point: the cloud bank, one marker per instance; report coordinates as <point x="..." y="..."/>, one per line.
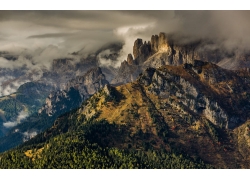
<point x="46" y="35"/>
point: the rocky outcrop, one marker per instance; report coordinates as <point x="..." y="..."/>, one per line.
<point x="163" y="42"/>
<point x="137" y="44"/>
<point x="154" y="43"/>
<point x="141" y="51"/>
<point x="169" y="53"/>
<point x="164" y="49"/>
<point x="60" y="102"/>
<point x="130" y="59"/>
<point x="186" y="88"/>
<point x="161" y="50"/>
<point x="144" y="53"/>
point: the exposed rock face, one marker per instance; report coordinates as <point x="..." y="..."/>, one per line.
<point x="88" y="84"/>
<point x="138" y="43"/>
<point x="159" y="51"/>
<point x="61" y="102"/>
<point x="130" y="59"/>
<point x="163" y="44"/>
<point x="172" y="54"/>
<point x="162" y="50"/>
<point x="126" y="73"/>
<point x="204" y="89"/>
<point x="144" y="53"/>
<point x="74" y="93"/>
<point x="141" y="51"/>
<point x="154" y="43"/>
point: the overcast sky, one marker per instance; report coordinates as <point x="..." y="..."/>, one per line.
<point x="62" y="32"/>
<point x="71" y="29"/>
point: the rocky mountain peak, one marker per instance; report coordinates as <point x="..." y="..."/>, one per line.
<point x="137" y="44"/>
<point x="163" y="45"/>
<point x="162" y="50"/>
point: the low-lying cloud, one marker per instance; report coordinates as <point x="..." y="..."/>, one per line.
<point x="12" y="84"/>
<point x="21" y="116"/>
<point x="27" y="135"/>
<point x="10" y="124"/>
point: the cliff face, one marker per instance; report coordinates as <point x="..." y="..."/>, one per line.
<point x="204" y="89"/>
<point x="61" y="102"/>
<point x="88" y="84"/>
<point x="164" y="51"/>
<point x="74" y="92"/>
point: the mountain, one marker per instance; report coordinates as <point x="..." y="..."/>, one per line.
<point x="74" y="93"/>
<point x="167" y="49"/>
<point x="193" y="114"/>
<point x="55" y="78"/>
<point x="53" y="105"/>
<point x="14" y="108"/>
<point x="25" y="66"/>
<point x="172" y="104"/>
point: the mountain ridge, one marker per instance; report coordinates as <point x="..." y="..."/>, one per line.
<point x="150" y="114"/>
